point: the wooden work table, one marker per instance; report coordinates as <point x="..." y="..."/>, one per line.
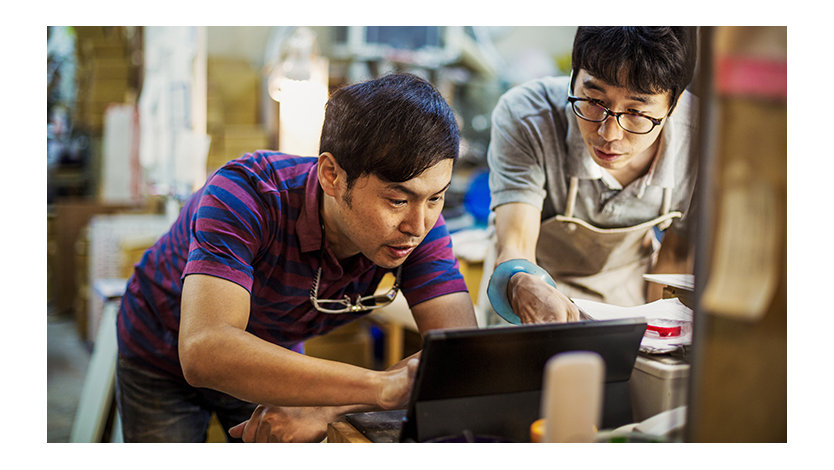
<point x="341" y="432"/>
<point x="372" y="426"/>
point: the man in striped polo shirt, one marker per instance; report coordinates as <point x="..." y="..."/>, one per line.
<point x="216" y="312"/>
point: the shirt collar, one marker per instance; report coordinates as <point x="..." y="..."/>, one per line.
<point x="662" y="172"/>
<point x="674" y="145"/>
<point x="308" y="228"/>
<point x="309" y="221"/>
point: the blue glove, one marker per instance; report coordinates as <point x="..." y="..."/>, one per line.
<point x="497" y="288"/>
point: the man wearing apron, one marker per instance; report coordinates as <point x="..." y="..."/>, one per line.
<point x="585" y="169"/>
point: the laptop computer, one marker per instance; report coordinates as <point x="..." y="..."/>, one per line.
<point x="484" y="385"/>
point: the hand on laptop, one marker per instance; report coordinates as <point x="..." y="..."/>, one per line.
<point x="535" y="301"/>
<point x="396" y="384"/>
<point x="309" y="423"/>
<point x="285" y="424"/>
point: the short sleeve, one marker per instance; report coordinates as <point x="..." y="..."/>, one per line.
<point x="516" y="172"/>
<point x="432" y="269"/>
<point x="228" y="228"/>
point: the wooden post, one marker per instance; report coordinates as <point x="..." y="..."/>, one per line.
<point x="739" y="371"/>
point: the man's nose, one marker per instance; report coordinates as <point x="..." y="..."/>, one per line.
<point x="414" y="222"/>
<point x="610" y="129"/>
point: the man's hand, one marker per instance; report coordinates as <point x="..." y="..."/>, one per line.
<point x="309" y="423"/>
<point x="284" y="424"/>
<point x="535" y="301"/>
<point x="396" y="384"/>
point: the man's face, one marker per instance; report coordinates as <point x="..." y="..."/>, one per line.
<point x="611" y="146"/>
<point x="386" y="221"/>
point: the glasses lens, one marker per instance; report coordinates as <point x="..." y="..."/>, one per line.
<point x="331" y="305"/>
<point x="379" y="300"/>
<point x="588" y="110"/>
<point x="635" y="123"/>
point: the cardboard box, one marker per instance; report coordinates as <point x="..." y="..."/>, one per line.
<point x="131" y="251"/>
<point x="101" y="35"/>
<point x="105" y="73"/>
<point x="232" y="141"/>
<point x="236" y="83"/>
<point x="107" y="68"/>
<point x="232" y="110"/>
<point x="351" y="344"/>
<point x="69" y="219"/>
<point x="51" y="261"/>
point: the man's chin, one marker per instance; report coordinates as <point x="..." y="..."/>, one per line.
<point x="388" y="262"/>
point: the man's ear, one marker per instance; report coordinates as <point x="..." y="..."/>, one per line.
<point x="331" y="175"/>
<point x="669" y="114"/>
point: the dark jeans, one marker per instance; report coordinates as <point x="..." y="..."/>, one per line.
<point x="159" y="408"/>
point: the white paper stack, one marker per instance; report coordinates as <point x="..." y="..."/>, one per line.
<point x="659" y="313"/>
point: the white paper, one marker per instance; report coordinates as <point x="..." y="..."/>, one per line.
<point x="664" y="309"/>
<point x="472" y="245"/>
<point x="682" y="281"/>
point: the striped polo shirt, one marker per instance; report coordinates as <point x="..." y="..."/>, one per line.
<point x="256" y="223"/>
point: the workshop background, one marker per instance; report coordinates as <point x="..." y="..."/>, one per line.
<point x="138" y="117"/>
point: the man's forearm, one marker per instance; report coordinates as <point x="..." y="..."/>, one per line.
<point x="517" y="232"/>
<point x="254" y="370"/>
<point x="217" y="352"/>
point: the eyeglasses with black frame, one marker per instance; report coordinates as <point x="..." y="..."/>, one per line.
<point x="593" y="111"/>
<point x="345" y="305"/>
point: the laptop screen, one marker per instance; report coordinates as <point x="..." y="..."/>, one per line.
<point x="487" y="382"/>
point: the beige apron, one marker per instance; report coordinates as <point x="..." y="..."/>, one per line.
<point x="605" y="265"/>
<point x="588" y="262"/>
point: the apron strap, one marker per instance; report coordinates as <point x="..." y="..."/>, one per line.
<point x="667" y="201"/>
<point x="664" y="208"/>
<point x="573" y="189"/>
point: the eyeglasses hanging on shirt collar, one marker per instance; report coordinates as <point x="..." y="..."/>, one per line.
<point x="345" y="305"/>
<point x="594" y="111"/>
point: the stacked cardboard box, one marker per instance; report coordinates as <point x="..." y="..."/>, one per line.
<point x="233" y="119"/>
<point x="67" y="263"/>
<point x="51" y="262"/>
<point x="105" y="73"/>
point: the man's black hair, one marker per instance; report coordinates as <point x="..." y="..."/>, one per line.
<point x="647" y="60"/>
<point x="394" y="127"/>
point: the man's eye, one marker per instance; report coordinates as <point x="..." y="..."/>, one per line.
<point x="397" y="202"/>
<point x="436" y="198"/>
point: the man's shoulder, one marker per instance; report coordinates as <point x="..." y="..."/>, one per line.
<point x="279" y="171"/>
<point x="534" y="96"/>
<point x="274" y="160"/>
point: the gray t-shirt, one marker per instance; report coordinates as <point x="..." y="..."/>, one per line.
<point x="536" y="146"/>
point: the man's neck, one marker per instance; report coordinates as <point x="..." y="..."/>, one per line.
<point x="331" y="236"/>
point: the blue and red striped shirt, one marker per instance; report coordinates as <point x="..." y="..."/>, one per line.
<point x="256" y="223"/>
